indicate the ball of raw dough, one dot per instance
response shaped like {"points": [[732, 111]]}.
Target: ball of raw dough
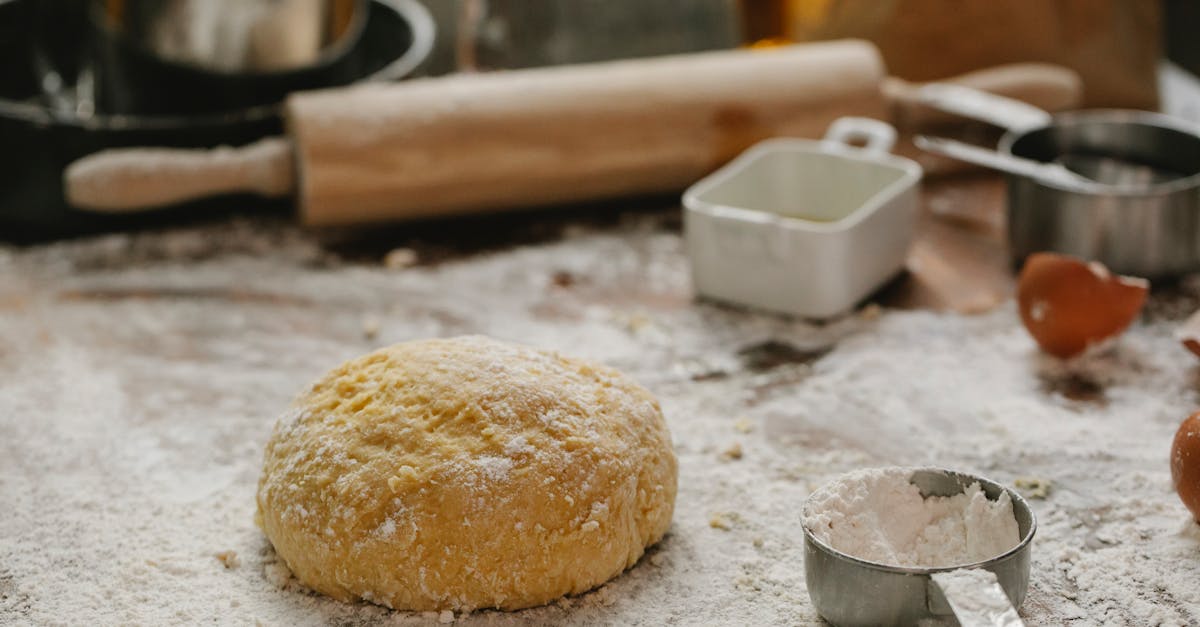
{"points": [[466, 473]]}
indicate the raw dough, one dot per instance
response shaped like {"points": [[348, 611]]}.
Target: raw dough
{"points": [[466, 473]]}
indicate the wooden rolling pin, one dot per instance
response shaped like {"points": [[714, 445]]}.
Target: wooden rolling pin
{"points": [[484, 142]]}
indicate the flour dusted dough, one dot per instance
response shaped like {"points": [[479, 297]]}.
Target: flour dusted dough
{"points": [[466, 473]]}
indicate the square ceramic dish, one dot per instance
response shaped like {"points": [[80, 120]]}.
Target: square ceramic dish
{"points": [[802, 227]]}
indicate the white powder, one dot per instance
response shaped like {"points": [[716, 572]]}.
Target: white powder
{"points": [[879, 516], [518, 445], [494, 468], [387, 528]]}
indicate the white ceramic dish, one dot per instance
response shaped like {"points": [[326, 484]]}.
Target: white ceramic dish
{"points": [[802, 227]]}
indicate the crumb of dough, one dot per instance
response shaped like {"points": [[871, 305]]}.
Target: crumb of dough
{"points": [[638, 322], [734, 452], [400, 258], [370, 327], [1033, 487], [446, 617], [746, 582], [229, 559], [721, 521], [743, 425], [278, 574], [604, 596]]}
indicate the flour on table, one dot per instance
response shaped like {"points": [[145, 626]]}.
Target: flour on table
{"points": [[142, 374]]}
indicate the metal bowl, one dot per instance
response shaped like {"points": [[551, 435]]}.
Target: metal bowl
{"points": [[144, 69], [41, 139]]}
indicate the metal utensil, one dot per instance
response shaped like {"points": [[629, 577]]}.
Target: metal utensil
{"points": [[172, 57], [1141, 216], [849, 592], [40, 142], [239, 35], [1051, 172], [1114, 170]]}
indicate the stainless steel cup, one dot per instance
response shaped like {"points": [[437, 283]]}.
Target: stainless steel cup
{"points": [[851, 592], [1150, 230], [1142, 225]]}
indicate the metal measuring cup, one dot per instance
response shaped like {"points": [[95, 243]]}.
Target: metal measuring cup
{"points": [[1138, 211], [848, 591]]}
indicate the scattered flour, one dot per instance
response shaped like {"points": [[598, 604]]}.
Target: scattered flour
{"points": [[878, 516], [143, 373]]}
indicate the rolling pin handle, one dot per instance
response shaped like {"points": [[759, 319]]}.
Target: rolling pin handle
{"points": [[137, 179], [1039, 86]]}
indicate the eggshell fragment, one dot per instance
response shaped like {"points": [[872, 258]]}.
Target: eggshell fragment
{"points": [[1068, 304], [1189, 333], [1185, 463]]}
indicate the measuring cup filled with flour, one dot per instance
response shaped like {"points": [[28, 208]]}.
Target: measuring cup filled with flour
{"points": [[902, 546]]}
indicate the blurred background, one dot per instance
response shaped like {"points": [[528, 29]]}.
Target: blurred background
{"points": [[81, 76]]}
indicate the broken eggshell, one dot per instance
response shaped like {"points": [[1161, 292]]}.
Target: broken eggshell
{"points": [[1068, 304], [1185, 463], [1189, 333]]}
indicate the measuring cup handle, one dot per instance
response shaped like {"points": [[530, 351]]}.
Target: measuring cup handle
{"points": [[976, 104], [877, 137], [973, 596]]}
